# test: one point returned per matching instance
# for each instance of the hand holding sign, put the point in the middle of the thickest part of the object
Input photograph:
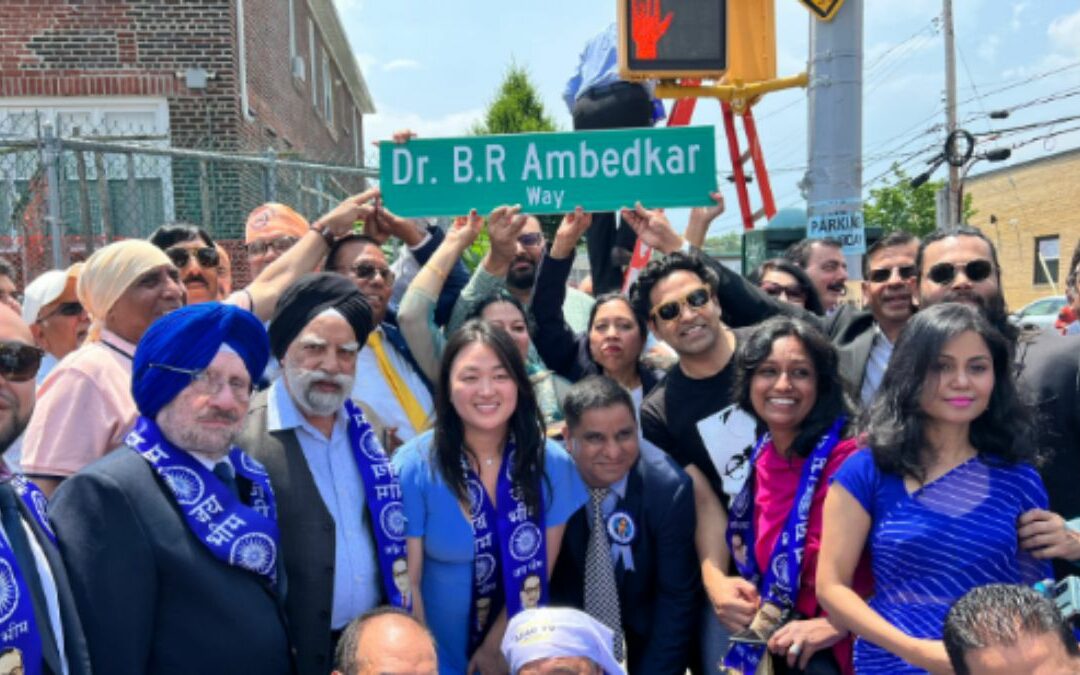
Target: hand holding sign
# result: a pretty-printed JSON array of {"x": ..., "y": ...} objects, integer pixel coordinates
[
  {"x": 571, "y": 228},
  {"x": 701, "y": 218},
  {"x": 464, "y": 231},
  {"x": 358, "y": 207},
  {"x": 504, "y": 226},
  {"x": 653, "y": 228},
  {"x": 648, "y": 28}
]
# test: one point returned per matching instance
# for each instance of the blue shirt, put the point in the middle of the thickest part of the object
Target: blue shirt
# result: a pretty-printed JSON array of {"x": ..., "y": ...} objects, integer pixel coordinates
[
  {"x": 357, "y": 580},
  {"x": 437, "y": 517}
]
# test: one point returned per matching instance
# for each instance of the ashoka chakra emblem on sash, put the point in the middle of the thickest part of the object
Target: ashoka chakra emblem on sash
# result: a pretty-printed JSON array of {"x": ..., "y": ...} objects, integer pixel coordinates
[
  {"x": 525, "y": 541},
  {"x": 9, "y": 591},
  {"x": 392, "y": 518},
  {"x": 484, "y": 566},
  {"x": 371, "y": 448},
  {"x": 476, "y": 497},
  {"x": 184, "y": 483},
  {"x": 251, "y": 464},
  {"x": 254, "y": 551}
]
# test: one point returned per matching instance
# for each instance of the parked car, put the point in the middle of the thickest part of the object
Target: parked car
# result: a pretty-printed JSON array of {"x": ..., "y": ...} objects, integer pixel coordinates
[{"x": 1039, "y": 313}]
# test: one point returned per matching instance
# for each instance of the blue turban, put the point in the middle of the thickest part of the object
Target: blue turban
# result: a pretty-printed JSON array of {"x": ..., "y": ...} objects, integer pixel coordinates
[{"x": 190, "y": 338}]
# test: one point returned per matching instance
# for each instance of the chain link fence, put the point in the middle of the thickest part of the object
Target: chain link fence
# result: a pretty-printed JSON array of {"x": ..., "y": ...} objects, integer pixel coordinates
[{"x": 67, "y": 188}]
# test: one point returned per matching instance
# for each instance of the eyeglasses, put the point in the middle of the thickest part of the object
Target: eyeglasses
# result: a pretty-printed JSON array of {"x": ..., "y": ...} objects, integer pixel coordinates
[
  {"x": 19, "y": 362},
  {"x": 944, "y": 273},
  {"x": 210, "y": 384},
  {"x": 880, "y": 275},
  {"x": 68, "y": 309},
  {"x": 279, "y": 244},
  {"x": 776, "y": 290},
  {"x": 364, "y": 271},
  {"x": 531, "y": 239},
  {"x": 207, "y": 256},
  {"x": 695, "y": 299}
]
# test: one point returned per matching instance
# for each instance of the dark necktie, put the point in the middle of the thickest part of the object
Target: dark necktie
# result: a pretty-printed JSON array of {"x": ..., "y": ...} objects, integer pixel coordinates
[
  {"x": 224, "y": 471},
  {"x": 601, "y": 593}
]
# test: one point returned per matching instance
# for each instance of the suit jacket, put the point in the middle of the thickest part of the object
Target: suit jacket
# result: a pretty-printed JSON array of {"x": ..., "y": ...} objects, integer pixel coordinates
[
  {"x": 660, "y": 599},
  {"x": 151, "y": 596},
  {"x": 851, "y": 362},
  {"x": 307, "y": 535},
  {"x": 78, "y": 658}
]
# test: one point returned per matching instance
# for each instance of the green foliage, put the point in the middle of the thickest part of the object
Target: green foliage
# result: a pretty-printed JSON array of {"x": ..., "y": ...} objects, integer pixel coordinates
[
  {"x": 517, "y": 107},
  {"x": 725, "y": 244},
  {"x": 902, "y": 207},
  {"x": 475, "y": 253}
]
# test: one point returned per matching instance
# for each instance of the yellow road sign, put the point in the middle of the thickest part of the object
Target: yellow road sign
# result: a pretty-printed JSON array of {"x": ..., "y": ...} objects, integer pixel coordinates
[{"x": 823, "y": 9}]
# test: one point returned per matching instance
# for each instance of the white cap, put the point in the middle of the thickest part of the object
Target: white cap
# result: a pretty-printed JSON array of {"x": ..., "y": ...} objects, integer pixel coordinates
[
  {"x": 46, "y": 288},
  {"x": 549, "y": 632}
]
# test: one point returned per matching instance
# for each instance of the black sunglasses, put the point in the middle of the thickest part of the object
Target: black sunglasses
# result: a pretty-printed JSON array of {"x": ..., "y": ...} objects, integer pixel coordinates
[
  {"x": 19, "y": 362},
  {"x": 944, "y": 273},
  {"x": 64, "y": 309},
  {"x": 207, "y": 256},
  {"x": 696, "y": 299},
  {"x": 369, "y": 270},
  {"x": 882, "y": 274},
  {"x": 279, "y": 244},
  {"x": 776, "y": 290}
]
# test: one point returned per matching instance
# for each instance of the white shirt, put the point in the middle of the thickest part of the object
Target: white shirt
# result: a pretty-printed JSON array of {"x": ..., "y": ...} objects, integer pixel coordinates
[
  {"x": 880, "y": 353},
  {"x": 373, "y": 390}
]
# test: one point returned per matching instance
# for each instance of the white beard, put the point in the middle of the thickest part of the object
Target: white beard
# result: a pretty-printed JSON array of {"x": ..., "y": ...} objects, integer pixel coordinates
[{"x": 317, "y": 403}]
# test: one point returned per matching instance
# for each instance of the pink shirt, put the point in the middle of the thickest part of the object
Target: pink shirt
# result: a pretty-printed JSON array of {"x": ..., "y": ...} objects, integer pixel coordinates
[
  {"x": 775, "y": 481},
  {"x": 83, "y": 409}
]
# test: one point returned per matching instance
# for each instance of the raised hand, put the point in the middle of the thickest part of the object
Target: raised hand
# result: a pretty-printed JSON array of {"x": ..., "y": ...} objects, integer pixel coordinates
[
  {"x": 384, "y": 223},
  {"x": 571, "y": 228},
  {"x": 653, "y": 228},
  {"x": 648, "y": 28},
  {"x": 464, "y": 231},
  {"x": 341, "y": 219},
  {"x": 504, "y": 226},
  {"x": 700, "y": 219}
]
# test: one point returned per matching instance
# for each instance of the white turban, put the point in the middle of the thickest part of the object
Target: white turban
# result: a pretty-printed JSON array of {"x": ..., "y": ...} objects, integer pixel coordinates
[{"x": 109, "y": 272}]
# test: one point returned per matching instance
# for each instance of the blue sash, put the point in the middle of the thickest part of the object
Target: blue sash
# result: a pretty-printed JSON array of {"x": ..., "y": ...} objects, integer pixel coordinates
[
  {"x": 510, "y": 550},
  {"x": 18, "y": 628},
  {"x": 36, "y": 503},
  {"x": 780, "y": 583},
  {"x": 383, "y": 495},
  {"x": 236, "y": 534}
]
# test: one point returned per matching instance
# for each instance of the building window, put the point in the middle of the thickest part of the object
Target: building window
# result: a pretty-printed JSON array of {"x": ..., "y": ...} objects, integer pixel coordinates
[
  {"x": 311, "y": 60},
  {"x": 328, "y": 89},
  {"x": 1047, "y": 254},
  {"x": 292, "y": 33}
]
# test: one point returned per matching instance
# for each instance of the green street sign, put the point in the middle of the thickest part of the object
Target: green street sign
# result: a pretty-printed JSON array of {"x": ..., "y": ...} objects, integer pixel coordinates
[{"x": 549, "y": 173}]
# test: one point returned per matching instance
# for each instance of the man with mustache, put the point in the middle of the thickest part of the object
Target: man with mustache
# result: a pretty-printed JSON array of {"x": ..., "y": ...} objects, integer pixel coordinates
[
  {"x": 171, "y": 541},
  {"x": 326, "y": 463},
  {"x": 824, "y": 262},
  {"x": 961, "y": 266}
]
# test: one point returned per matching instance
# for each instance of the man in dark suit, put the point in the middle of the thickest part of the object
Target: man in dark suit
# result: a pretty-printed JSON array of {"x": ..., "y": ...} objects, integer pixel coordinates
[
  {"x": 51, "y": 641},
  {"x": 301, "y": 429},
  {"x": 170, "y": 541},
  {"x": 635, "y": 537}
]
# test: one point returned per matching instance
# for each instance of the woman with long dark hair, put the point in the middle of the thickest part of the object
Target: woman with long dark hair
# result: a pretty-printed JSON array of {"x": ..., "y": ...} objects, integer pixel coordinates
[
  {"x": 786, "y": 378},
  {"x": 616, "y": 337},
  {"x": 936, "y": 497},
  {"x": 786, "y": 281},
  {"x": 486, "y": 498}
]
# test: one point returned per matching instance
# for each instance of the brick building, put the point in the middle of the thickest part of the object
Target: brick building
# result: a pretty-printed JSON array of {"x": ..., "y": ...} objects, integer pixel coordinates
[
  {"x": 229, "y": 76},
  {"x": 1030, "y": 208}
]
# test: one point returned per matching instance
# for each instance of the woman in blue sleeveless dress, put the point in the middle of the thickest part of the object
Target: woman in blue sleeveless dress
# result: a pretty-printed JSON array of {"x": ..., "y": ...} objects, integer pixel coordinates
[{"x": 936, "y": 496}]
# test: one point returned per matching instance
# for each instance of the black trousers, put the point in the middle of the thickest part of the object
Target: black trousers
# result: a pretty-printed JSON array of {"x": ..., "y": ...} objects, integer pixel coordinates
[{"x": 614, "y": 106}]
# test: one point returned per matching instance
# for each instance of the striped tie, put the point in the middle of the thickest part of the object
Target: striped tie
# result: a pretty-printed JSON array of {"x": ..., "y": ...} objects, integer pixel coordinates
[{"x": 601, "y": 594}]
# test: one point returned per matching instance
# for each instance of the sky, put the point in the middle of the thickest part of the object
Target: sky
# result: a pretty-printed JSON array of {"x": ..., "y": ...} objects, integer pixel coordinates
[{"x": 434, "y": 66}]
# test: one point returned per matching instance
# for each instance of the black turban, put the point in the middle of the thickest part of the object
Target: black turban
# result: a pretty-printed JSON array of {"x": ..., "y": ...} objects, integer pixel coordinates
[{"x": 310, "y": 296}]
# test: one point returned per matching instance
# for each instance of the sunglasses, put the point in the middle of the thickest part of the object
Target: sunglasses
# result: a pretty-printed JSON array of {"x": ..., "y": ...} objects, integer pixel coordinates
[
  {"x": 207, "y": 256},
  {"x": 19, "y": 362},
  {"x": 975, "y": 270},
  {"x": 880, "y": 275},
  {"x": 278, "y": 244},
  {"x": 68, "y": 309},
  {"x": 364, "y": 271},
  {"x": 776, "y": 290},
  {"x": 531, "y": 239},
  {"x": 695, "y": 299}
]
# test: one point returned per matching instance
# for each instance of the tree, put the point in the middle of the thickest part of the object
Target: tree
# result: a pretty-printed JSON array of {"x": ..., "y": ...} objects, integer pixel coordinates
[
  {"x": 902, "y": 207},
  {"x": 724, "y": 244},
  {"x": 517, "y": 107}
]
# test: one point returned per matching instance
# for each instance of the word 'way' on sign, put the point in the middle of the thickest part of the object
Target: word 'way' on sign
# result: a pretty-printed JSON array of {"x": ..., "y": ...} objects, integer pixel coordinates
[{"x": 598, "y": 170}]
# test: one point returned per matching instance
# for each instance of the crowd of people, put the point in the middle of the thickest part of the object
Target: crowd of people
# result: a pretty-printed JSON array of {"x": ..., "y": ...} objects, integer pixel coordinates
[{"x": 362, "y": 464}]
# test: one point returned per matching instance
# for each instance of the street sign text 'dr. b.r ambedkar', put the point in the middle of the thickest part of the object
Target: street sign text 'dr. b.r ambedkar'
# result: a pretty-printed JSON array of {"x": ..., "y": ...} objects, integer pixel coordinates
[{"x": 549, "y": 173}]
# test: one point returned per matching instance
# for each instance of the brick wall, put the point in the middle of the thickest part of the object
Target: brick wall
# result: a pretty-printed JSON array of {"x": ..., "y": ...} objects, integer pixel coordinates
[{"x": 1017, "y": 204}]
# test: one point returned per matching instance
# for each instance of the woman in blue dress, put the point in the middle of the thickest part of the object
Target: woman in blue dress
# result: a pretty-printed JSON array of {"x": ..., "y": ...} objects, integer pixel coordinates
[
  {"x": 486, "y": 497},
  {"x": 936, "y": 497}
]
